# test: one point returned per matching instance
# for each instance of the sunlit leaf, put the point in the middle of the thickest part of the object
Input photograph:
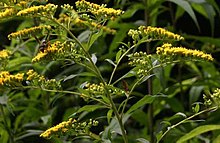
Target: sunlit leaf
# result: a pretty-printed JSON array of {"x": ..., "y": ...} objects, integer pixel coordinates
[
  {"x": 142, "y": 140},
  {"x": 111, "y": 62},
  {"x": 187, "y": 7},
  {"x": 118, "y": 55},
  {"x": 145, "y": 100},
  {"x": 90, "y": 108},
  {"x": 94, "y": 37},
  {"x": 197, "y": 131},
  {"x": 109, "y": 115}
]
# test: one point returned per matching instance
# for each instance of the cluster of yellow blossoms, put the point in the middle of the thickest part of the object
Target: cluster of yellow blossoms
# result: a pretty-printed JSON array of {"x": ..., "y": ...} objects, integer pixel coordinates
[
  {"x": 11, "y": 8},
  {"x": 76, "y": 128},
  {"x": 59, "y": 50},
  {"x": 29, "y": 32},
  {"x": 6, "y": 79},
  {"x": 7, "y": 13},
  {"x": 61, "y": 127},
  {"x": 167, "y": 50},
  {"x": 4, "y": 54},
  {"x": 98, "y": 10},
  {"x": 35, "y": 79},
  {"x": 153, "y": 33},
  {"x": 41, "y": 10},
  {"x": 94, "y": 25},
  {"x": 31, "y": 77}
]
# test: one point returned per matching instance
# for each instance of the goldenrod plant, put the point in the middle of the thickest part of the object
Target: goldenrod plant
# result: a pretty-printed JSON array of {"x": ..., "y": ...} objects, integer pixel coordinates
[{"x": 54, "y": 83}]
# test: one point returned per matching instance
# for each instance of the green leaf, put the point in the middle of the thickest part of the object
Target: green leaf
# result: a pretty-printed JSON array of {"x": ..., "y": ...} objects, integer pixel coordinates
[
  {"x": 214, "y": 4},
  {"x": 195, "y": 93},
  {"x": 140, "y": 116},
  {"x": 109, "y": 115},
  {"x": 70, "y": 77},
  {"x": 94, "y": 37},
  {"x": 179, "y": 12},
  {"x": 214, "y": 41},
  {"x": 4, "y": 137},
  {"x": 197, "y": 131},
  {"x": 90, "y": 108},
  {"x": 120, "y": 35},
  {"x": 147, "y": 99},
  {"x": 196, "y": 108},
  {"x": 211, "y": 16},
  {"x": 3, "y": 100},
  {"x": 142, "y": 140},
  {"x": 16, "y": 63},
  {"x": 187, "y": 7},
  {"x": 118, "y": 55},
  {"x": 29, "y": 133},
  {"x": 111, "y": 62},
  {"x": 132, "y": 10}
]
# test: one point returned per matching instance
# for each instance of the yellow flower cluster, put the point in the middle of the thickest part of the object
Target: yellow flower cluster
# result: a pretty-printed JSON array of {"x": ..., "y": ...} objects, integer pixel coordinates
[
  {"x": 41, "y": 10},
  {"x": 62, "y": 127},
  {"x": 167, "y": 50},
  {"x": 94, "y": 25},
  {"x": 29, "y": 31},
  {"x": 8, "y": 13},
  {"x": 38, "y": 80},
  {"x": 76, "y": 128},
  {"x": 4, "y": 54},
  {"x": 153, "y": 33},
  {"x": 48, "y": 51},
  {"x": 6, "y": 79},
  {"x": 98, "y": 10},
  {"x": 58, "y": 50}
]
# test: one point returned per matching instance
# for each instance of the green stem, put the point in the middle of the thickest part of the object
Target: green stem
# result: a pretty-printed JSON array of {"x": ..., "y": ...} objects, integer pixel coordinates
[
  {"x": 6, "y": 124},
  {"x": 119, "y": 118},
  {"x": 67, "y": 92},
  {"x": 94, "y": 136},
  {"x": 83, "y": 48},
  {"x": 174, "y": 126},
  {"x": 119, "y": 60}
]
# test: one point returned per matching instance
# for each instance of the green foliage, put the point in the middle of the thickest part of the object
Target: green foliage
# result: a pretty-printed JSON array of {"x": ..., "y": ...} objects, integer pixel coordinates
[{"x": 90, "y": 73}]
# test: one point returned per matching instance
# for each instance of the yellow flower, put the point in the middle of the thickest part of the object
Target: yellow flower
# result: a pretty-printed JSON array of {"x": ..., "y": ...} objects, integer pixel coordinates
[
  {"x": 4, "y": 54},
  {"x": 153, "y": 33},
  {"x": 98, "y": 10},
  {"x": 29, "y": 31},
  {"x": 167, "y": 50},
  {"x": 39, "y": 56},
  {"x": 10, "y": 80},
  {"x": 61, "y": 127},
  {"x": 8, "y": 13},
  {"x": 41, "y": 10}
]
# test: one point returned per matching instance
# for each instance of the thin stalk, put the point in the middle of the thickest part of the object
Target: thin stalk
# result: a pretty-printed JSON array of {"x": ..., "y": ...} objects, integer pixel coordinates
[
  {"x": 118, "y": 117},
  {"x": 94, "y": 136},
  {"x": 6, "y": 124},
  {"x": 174, "y": 126},
  {"x": 119, "y": 60},
  {"x": 67, "y": 92}
]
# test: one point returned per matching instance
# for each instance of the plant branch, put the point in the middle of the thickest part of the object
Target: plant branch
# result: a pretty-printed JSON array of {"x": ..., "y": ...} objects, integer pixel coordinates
[{"x": 174, "y": 126}]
